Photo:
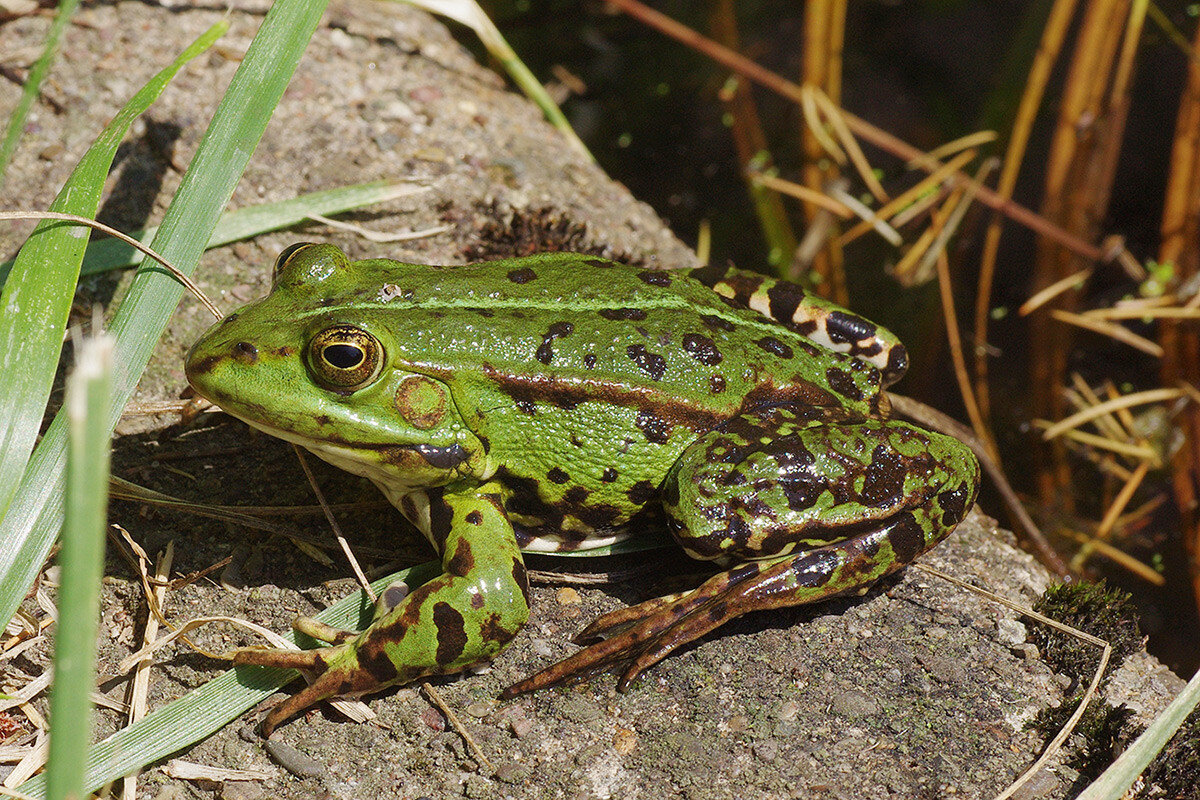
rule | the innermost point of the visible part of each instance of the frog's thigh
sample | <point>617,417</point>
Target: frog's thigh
<point>776,481</point>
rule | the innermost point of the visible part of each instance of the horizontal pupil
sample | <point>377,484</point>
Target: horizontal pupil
<point>344,356</point>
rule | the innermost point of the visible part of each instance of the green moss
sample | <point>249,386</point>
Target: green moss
<point>1106,613</point>
<point>1105,731</point>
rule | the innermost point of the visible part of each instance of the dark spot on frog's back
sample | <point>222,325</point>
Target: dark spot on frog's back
<point>609,475</point>
<point>599,263</point>
<point>451,633</point>
<point>556,475</point>
<point>716,384</point>
<point>843,383</point>
<point>474,518</point>
<point>702,348</point>
<point>287,351</point>
<point>651,363</point>
<point>774,346</point>
<point>655,278</point>
<point>558,330</point>
<point>632,314</point>
<point>715,323</point>
<point>463,560</point>
<point>522,275</point>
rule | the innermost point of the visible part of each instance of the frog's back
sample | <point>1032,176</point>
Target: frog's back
<point>564,329</point>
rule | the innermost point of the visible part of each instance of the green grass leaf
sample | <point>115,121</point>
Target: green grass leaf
<point>35,514</point>
<point>82,560</point>
<point>38,294</point>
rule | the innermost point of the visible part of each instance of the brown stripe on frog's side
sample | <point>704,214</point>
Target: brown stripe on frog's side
<point>569,394</point>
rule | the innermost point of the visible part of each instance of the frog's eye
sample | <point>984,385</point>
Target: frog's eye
<point>345,358</point>
<point>286,256</point>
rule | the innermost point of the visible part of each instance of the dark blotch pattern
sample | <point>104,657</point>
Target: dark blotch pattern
<point>954,504</point>
<point>589,360</point>
<point>843,383</point>
<point>451,633</point>
<point>844,328</point>
<point>443,457</point>
<point>609,475</point>
<point>783,299</point>
<point>463,560</point>
<point>702,348</point>
<point>641,493</point>
<point>655,278</point>
<point>716,384</point>
<point>656,429</point>
<point>906,537</point>
<point>440,518</point>
<point>634,314</point>
<point>545,351</point>
<point>648,362</point>
<point>774,347</point>
<point>715,323</point>
<point>523,275</point>
<point>883,481</point>
<point>474,518</point>
<point>556,475</point>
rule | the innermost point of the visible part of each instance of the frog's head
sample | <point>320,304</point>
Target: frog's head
<point>310,364</point>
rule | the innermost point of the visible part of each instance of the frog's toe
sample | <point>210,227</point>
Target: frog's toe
<point>615,621</point>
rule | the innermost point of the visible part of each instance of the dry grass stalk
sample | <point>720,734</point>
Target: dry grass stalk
<point>824,31</point>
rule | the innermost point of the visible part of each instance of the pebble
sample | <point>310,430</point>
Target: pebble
<point>294,761</point>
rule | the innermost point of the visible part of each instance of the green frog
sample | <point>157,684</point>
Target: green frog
<point>563,402</point>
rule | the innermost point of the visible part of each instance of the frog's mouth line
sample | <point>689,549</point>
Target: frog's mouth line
<point>353,458</point>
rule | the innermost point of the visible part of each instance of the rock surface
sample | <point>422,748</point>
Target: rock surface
<point>917,689</point>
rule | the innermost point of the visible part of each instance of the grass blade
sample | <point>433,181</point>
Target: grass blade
<point>37,298</point>
<point>81,559</point>
<point>109,254</point>
<point>35,514</point>
<point>33,83</point>
<point>206,709</point>
<point>1121,774</point>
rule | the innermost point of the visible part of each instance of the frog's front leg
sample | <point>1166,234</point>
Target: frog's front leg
<point>803,508</point>
<point>463,617</point>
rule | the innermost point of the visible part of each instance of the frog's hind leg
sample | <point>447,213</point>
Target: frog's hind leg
<point>809,509</point>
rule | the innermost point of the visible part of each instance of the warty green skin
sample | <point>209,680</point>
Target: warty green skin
<point>563,402</point>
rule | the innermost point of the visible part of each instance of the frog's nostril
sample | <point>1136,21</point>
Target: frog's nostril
<point>245,353</point>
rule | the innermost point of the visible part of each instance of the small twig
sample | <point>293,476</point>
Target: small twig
<point>458,726</point>
<point>1109,329</point>
<point>1125,401</point>
<point>337,530</point>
